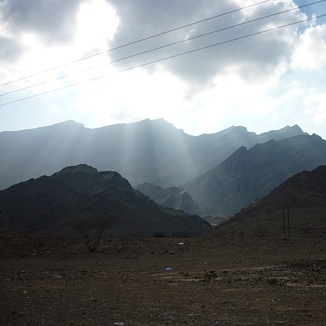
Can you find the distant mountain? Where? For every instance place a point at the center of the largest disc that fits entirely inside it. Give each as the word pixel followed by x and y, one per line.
pixel 151 151
pixel 296 208
pixel 173 197
pixel 46 203
pixel 250 174
pixel 177 198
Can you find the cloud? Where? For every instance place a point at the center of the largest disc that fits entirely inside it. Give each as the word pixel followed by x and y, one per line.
pixel 253 59
pixel 53 21
pixel 46 33
pixel 10 49
pixel 28 29
pixel 310 51
pixel 316 106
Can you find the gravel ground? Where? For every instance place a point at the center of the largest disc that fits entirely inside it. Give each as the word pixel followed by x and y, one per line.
pixel 53 280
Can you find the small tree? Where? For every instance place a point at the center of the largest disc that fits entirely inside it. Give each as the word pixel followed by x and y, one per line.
pixel 92 229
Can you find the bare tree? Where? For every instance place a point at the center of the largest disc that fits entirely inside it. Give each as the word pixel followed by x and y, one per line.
pixel 92 229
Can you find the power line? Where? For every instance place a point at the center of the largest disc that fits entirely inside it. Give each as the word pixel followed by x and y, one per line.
pixel 166 58
pixel 135 42
pixel 161 47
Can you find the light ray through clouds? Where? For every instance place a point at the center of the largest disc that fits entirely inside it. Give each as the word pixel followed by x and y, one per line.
pixel 264 82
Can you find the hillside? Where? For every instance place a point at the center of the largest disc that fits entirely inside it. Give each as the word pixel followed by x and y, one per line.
pixel 151 151
pixel 173 197
pixel 177 198
pixel 296 208
pixel 46 203
pixel 250 174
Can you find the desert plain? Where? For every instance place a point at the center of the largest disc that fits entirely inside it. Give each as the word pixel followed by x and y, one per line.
pixel 54 280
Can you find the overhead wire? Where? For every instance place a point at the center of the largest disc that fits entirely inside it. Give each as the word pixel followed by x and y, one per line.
pixel 161 47
pixel 137 41
pixel 166 58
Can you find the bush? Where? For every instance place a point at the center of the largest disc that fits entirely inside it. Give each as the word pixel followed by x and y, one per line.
pixel 92 229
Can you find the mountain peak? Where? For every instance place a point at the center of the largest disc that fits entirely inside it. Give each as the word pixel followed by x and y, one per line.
pixel 66 124
pixel 81 168
pixel 285 132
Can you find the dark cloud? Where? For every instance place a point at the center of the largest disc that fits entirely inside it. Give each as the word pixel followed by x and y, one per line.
pixel 54 21
pixel 251 58
pixel 10 50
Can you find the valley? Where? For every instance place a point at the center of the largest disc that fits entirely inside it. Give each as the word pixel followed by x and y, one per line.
pixel 160 264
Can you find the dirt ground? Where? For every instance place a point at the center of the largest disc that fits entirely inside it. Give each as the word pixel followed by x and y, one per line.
pixel 53 280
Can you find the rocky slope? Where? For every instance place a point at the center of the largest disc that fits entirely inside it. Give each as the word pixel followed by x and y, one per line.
pixel 250 174
pixel 177 198
pixel 173 197
pixel 45 204
pixel 296 208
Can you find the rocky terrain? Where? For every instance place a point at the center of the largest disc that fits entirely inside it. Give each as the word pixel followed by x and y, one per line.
pixel 158 266
pixel 212 174
pixel 243 178
pixel 173 197
pixel 297 208
pixel 46 204
pixel 178 199
pixel 54 280
pixel 250 174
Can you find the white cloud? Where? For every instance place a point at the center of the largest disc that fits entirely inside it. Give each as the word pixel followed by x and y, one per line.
pixel 96 25
pixel 132 96
pixel 310 51
pixel 316 106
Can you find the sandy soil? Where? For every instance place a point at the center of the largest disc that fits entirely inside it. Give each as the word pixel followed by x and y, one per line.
pixel 49 280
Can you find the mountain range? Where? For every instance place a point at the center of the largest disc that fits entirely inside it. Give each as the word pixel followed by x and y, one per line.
pixel 46 204
pixel 250 174
pixel 152 151
pixel 297 207
pixel 218 173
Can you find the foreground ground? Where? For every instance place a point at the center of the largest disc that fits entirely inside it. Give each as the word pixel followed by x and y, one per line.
pixel 55 281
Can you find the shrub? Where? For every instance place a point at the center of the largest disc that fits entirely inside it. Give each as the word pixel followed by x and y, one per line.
pixel 92 229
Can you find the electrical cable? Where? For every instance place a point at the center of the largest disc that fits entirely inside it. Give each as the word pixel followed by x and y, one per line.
pixel 166 58
pixel 160 47
pixel 135 42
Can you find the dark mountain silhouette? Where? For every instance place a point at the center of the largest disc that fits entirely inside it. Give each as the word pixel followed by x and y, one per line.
pixel 46 203
pixel 297 208
pixel 147 151
pixel 250 174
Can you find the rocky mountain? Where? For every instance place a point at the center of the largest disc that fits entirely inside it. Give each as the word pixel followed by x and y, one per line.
pixel 177 198
pixel 250 174
pixel 147 151
pixel 295 208
pixel 173 197
pixel 45 204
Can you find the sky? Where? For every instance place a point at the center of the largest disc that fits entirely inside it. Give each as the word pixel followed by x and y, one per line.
pixel 246 71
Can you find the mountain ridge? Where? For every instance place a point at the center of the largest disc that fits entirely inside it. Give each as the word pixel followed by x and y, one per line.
pixel 296 207
pixel 45 204
pixel 249 174
pixel 151 151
